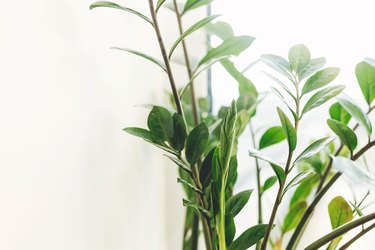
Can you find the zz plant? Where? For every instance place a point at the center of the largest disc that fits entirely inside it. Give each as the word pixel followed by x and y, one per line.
pixel 203 145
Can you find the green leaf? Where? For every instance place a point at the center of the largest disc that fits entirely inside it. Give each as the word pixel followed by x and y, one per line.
pixel 366 78
pixel 189 185
pixel 289 131
pixel 160 123
pixel 338 113
pixel 230 229
pixel 147 57
pixel 346 134
pixel 193 4
pixel 249 238
pixel 303 190
pixel 180 164
pixel 339 211
pixel 188 203
pixel 278 64
pixel 243 119
pixel 232 171
pixel 268 183
pixel 282 85
pixel 321 97
pixel 314 148
pixel 159 4
pixel 355 111
pixel 196 143
pixel 320 79
pixel 353 171
pixel 139 132
pixel 313 66
pixel 179 132
pixel 116 6
pixel 232 46
pixel 272 136
pixel 191 30
pixel 293 216
pixel 235 203
pixel 220 29
pixel 299 178
pixel 205 172
pixel 299 56
pixel 227 136
pixel 279 171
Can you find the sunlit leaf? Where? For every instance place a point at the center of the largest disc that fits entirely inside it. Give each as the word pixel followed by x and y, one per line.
pixel 272 136
pixel 338 113
pixel 289 131
pixel 193 4
pixel 268 183
pixel 293 216
pixel 366 78
pixel 355 111
pixel 220 29
pixel 279 64
pixel 279 171
pixel 320 79
pixel 314 148
pixel 321 97
pixel 313 66
pixel 299 57
pixel 346 134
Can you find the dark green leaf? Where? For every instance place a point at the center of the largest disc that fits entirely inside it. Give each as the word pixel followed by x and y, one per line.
pixel 338 113
pixel 269 183
pixel 320 79
pixel 206 169
pixel 139 132
pixel 355 111
pixel 279 171
pixel 147 57
pixel 196 143
pixel 232 46
pixel 179 132
pixel 191 30
pixel 272 136
pixel 160 123
pixel 366 78
pixel 321 97
pixel 249 238
pixel 313 66
pixel 314 148
pixel 230 229
pixel 189 185
pixel 235 204
pixel 116 6
pixel 346 134
pixel 179 163
pixel 289 131
pixel 299 56
pixel 293 216
pixel 193 4
pixel 188 203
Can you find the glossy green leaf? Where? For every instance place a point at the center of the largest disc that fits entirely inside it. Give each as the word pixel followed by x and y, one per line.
pixel 232 46
pixel 293 216
pixel 179 132
pixel 193 4
pixel 313 66
pixel 321 97
pixel 191 30
pixel 159 4
pixel 365 73
pixel 139 132
pixel 314 148
pixel 355 111
pixel 196 143
pixel 249 238
pixel 235 203
pixel 346 134
pixel 147 57
pixel 299 178
pixel 278 64
pixel 289 131
pixel 272 136
pixel 355 173
pixel 279 171
pixel 338 113
pixel 320 79
pixel 160 123
pixel 116 6
pixel 220 29
pixel 268 183
pixel 299 57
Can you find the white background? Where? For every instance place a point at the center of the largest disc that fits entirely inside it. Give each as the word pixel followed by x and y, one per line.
pixel 69 177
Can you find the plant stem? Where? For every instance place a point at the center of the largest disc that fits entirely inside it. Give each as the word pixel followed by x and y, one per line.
pixel 359 235
pixel 259 191
pixel 188 65
pixel 339 231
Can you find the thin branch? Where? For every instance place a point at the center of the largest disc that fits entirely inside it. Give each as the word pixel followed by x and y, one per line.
pixel 359 235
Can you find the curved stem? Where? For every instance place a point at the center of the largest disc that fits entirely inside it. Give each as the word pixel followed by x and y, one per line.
pixel 359 235
pixel 340 231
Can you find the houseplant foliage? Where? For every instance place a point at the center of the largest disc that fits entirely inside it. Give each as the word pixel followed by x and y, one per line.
pixel 203 145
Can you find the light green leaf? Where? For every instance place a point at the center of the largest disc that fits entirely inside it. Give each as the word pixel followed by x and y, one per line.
pixel 249 238
pixel 268 183
pixel 279 64
pixel 160 123
pixel 355 111
pixel 314 148
pixel 193 4
pixel 303 190
pixel 220 29
pixel 281 84
pixel 116 6
pixel 289 131
pixel 232 46
pixel 293 216
pixel 366 78
pixel 338 113
pixel 313 66
pixel 279 171
pixel 321 97
pixel 320 79
pixel 159 4
pixel 272 136
pixel 339 211
pixel 299 178
pixel 346 134
pixel 191 30
pixel 147 57
pixel 227 136
pixel 299 57
pixel 196 143
pixel 235 203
